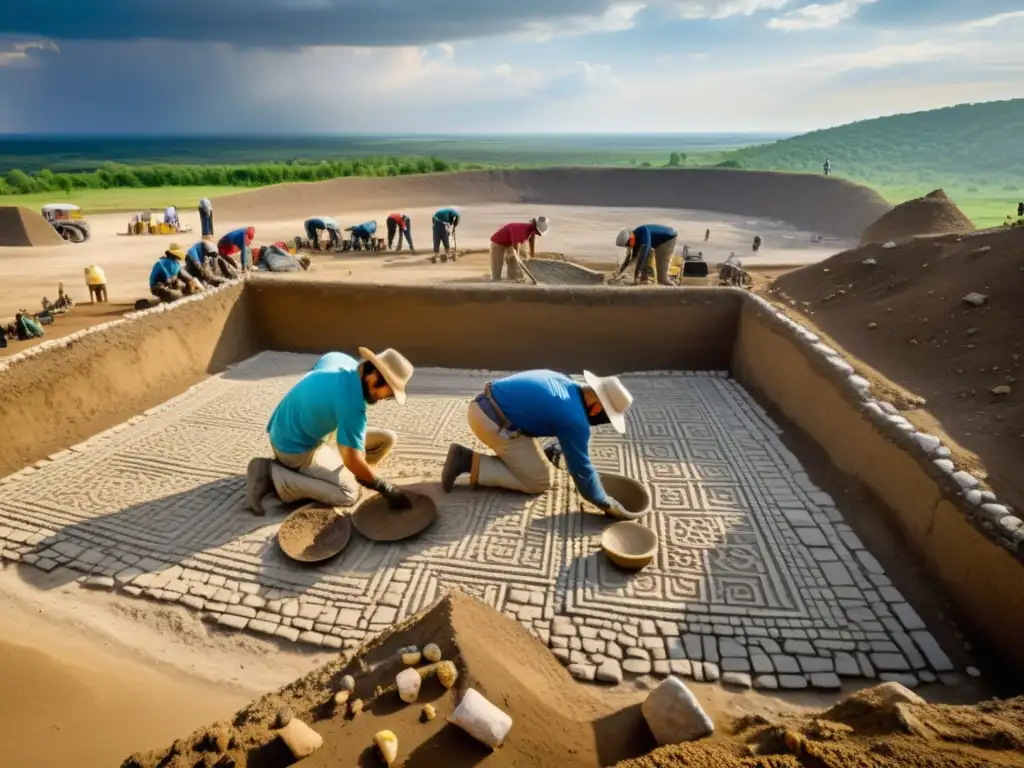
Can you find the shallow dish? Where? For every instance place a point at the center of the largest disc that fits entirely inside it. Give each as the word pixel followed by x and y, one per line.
pixel 629 544
pixel 314 533
pixel 632 495
pixel 378 522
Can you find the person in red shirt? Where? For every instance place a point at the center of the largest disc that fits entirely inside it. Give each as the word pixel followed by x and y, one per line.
pixel 507 242
pixel 400 224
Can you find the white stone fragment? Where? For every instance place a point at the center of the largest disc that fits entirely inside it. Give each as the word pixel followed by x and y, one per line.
pixel 408 682
pixel 840 365
pixel 869 262
pixel 824 349
pixel 674 715
pixel 927 442
pixel 889 245
pixel 481 719
pixel 973 497
pixel 965 480
pixel 945 465
pixel 859 383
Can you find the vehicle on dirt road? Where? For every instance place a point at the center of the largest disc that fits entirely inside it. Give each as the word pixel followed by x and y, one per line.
pixel 67 220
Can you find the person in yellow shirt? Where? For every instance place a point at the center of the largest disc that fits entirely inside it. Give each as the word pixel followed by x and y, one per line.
pixel 96 281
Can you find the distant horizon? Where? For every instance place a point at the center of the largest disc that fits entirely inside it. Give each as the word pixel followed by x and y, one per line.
pixel 388 134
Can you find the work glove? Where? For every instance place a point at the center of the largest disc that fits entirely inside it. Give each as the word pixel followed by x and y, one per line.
pixel 616 510
pixel 553 452
pixel 396 498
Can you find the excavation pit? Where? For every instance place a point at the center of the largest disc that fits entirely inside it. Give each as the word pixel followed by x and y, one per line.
pixel 756 572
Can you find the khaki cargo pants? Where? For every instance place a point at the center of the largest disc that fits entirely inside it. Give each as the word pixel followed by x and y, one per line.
pixel 502 255
pixel 321 475
pixel 662 258
pixel 519 465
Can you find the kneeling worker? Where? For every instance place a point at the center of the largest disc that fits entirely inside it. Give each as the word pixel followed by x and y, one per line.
pixel 507 243
pixel 400 224
pixel 512 412
pixel 322 223
pixel 312 461
pixel 640 242
pixel 167 281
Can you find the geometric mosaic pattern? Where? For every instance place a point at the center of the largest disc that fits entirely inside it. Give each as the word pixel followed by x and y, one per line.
pixel 756 576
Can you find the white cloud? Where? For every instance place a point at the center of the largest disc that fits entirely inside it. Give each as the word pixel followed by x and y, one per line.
pixel 722 9
pixel 21 52
pixel 882 57
pixel 818 15
pixel 991 21
pixel 617 17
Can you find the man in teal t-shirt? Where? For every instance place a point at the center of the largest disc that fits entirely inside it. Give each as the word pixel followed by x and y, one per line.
pixel 319 436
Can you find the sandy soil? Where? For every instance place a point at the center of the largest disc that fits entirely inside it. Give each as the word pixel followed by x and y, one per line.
pixel 581 233
pixel 89 678
pixel 557 721
pixel 905 317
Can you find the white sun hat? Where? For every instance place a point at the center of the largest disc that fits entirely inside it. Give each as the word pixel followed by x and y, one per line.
pixel 614 397
pixel 623 239
pixel 542 224
pixel 394 367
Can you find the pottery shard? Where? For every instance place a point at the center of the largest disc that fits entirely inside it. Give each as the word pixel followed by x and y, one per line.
pixel 674 715
pixel 300 738
pixel 894 693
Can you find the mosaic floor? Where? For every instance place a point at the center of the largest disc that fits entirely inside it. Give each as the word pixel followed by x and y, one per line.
pixel 757 578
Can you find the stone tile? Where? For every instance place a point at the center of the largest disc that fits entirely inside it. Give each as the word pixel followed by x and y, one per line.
pixel 737 680
pixel 826 680
pixel 792 682
pixel 938 660
pixel 637 666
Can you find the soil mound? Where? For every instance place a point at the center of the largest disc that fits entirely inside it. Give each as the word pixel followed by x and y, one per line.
pixel 904 315
pixel 863 730
pixel 555 720
pixel 557 271
pixel 933 214
pixel 20 227
pixel 814 203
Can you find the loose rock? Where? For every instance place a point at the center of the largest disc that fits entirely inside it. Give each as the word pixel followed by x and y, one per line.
pixel 348 683
pixel 386 744
pixel 481 719
pixel 300 738
pixel 674 715
pixel 408 682
pixel 432 653
pixel 975 299
pixel 447 674
pixel 429 713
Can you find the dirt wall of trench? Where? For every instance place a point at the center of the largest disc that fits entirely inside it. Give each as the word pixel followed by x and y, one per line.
pixel 984 581
pixel 605 330
pixel 61 397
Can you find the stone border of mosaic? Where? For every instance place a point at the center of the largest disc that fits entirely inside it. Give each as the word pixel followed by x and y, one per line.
pixel 981 505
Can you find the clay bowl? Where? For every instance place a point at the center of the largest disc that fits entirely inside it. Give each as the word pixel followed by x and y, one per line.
pixel 632 495
pixel 314 533
pixel 629 544
pixel 378 522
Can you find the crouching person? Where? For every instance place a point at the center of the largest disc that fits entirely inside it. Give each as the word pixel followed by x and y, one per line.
pixel 167 281
pixel 319 434
pixel 514 411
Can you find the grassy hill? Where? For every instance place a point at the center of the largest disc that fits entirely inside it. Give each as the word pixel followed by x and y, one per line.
pixel 973 151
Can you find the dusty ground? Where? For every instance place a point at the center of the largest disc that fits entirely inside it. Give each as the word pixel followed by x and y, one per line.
pixel 88 678
pixel 558 722
pixel 582 233
pixel 905 317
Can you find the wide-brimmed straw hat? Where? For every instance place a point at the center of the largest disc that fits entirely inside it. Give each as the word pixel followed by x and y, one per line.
pixel 393 366
pixel 175 252
pixel 542 224
pixel 614 397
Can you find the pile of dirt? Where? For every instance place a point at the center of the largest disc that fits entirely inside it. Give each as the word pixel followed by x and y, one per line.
pixel 905 315
pixel 864 730
pixel 554 270
pixel 555 720
pixel 20 227
pixel 933 214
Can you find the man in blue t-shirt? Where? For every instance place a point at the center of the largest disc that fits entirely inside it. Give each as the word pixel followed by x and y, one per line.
pixel 319 436
pixel 167 281
pixel 640 242
pixel 515 410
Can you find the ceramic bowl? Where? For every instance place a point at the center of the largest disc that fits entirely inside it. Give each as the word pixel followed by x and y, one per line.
pixel 629 544
pixel 632 495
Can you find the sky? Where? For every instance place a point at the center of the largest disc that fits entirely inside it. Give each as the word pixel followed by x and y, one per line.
pixel 495 66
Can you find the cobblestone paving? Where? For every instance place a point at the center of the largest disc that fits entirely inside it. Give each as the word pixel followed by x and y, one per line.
pixel 757 579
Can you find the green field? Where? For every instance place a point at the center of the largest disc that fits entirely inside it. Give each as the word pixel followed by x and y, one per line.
pixel 126 199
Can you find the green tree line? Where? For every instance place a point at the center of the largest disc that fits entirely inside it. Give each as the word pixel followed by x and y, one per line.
pixel 113 176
